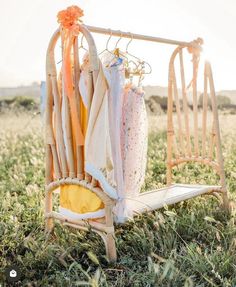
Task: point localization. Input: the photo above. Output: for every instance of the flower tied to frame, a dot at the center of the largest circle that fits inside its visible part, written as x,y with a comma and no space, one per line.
69,20
70,17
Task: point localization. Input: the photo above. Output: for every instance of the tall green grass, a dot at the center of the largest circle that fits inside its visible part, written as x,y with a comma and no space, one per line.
190,244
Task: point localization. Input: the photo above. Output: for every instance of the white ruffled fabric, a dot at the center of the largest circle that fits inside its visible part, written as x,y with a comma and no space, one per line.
79,216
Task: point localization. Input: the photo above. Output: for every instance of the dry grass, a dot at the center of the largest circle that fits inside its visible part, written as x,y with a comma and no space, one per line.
189,244
227,123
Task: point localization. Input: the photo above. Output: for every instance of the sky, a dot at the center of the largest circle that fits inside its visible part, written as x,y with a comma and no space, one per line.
26,27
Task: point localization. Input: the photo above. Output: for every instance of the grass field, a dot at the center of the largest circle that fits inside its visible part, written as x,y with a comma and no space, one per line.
190,244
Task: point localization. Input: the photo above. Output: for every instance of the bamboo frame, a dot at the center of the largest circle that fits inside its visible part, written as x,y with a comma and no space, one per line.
218,139
178,111
56,165
128,35
59,176
204,114
195,104
170,127
52,73
206,158
185,102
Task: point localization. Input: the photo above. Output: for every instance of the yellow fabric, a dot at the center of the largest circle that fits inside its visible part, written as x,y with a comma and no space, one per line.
79,199
83,121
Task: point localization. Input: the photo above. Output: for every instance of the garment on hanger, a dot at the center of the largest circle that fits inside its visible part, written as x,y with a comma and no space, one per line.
98,154
115,144
134,141
134,135
115,76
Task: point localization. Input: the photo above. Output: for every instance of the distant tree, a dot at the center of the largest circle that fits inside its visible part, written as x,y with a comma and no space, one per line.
27,103
162,101
223,101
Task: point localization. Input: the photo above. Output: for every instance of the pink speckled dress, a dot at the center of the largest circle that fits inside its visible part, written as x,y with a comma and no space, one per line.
134,137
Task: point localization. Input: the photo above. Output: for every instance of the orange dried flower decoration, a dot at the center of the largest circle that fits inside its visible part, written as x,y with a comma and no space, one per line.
70,28
69,17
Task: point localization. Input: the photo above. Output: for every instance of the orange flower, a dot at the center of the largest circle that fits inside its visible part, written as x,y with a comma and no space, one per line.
70,16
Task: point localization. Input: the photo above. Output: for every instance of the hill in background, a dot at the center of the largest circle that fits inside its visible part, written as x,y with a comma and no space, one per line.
155,98
34,91
28,91
163,92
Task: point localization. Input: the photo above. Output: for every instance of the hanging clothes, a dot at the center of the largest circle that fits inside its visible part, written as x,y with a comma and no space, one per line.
112,139
115,144
114,73
98,155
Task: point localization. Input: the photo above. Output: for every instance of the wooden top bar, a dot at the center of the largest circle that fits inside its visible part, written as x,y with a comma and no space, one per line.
139,36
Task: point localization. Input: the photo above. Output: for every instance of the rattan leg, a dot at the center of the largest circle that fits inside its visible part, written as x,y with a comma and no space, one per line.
49,223
111,247
225,199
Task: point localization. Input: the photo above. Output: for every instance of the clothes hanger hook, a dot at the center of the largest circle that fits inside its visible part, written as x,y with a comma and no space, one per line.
131,39
150,68
82,40
81,44
118,40
108,39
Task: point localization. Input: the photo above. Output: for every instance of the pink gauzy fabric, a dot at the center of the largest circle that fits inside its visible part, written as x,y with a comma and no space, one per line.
134,138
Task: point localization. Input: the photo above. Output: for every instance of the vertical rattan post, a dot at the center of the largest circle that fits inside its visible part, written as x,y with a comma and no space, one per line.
49,137
170,130
52,72
92,78
204,113
49,157
58,123
218,140
79,149
195,104
179,114
68,127
48,197
185,103
110,236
